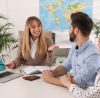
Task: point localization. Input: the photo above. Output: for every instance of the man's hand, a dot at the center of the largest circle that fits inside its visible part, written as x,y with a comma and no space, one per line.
47,76
72,78
69,75
66,80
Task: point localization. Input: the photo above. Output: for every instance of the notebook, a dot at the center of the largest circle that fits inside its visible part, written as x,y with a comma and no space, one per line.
34,69
7,75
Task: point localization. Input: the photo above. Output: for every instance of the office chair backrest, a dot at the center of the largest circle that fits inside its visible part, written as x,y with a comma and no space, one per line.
51,35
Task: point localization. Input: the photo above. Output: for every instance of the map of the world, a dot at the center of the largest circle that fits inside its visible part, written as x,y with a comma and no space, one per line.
55,14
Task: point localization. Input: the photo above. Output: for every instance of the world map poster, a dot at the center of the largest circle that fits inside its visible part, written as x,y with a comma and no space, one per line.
55,14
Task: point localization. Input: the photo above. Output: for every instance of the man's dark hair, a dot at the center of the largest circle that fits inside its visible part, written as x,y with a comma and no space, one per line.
83,22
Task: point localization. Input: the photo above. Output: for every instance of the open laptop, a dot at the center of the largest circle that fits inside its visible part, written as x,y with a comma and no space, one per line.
7,75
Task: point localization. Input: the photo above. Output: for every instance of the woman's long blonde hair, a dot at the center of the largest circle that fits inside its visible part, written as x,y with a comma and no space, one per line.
26,43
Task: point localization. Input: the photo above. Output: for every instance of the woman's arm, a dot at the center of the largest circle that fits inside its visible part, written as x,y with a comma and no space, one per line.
78,92
90,92
50,58
19,58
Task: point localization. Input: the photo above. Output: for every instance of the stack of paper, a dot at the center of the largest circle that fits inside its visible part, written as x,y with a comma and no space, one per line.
35,69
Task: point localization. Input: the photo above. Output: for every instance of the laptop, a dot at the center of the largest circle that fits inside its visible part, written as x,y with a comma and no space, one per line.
7,75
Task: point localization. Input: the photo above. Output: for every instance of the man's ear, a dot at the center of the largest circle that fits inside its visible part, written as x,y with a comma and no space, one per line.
76,30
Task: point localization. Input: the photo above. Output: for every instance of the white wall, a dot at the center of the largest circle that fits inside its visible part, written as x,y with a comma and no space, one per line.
3,7
96,9
19,10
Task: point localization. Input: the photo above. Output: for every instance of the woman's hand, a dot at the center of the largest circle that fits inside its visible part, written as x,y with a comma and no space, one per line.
10,65
52,48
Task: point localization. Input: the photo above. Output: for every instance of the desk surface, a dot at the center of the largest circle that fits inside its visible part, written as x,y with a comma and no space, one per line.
20,88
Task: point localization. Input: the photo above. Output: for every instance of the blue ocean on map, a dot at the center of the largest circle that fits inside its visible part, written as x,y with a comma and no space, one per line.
55,14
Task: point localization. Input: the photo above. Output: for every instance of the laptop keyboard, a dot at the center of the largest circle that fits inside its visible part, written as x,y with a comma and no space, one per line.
2,75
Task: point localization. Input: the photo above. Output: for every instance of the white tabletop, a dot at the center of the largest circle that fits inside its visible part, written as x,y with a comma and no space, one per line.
20,88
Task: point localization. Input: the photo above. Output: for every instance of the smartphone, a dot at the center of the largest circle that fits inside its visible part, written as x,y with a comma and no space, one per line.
36,72
31,77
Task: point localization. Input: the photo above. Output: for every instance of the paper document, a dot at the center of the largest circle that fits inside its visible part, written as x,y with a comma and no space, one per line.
35,69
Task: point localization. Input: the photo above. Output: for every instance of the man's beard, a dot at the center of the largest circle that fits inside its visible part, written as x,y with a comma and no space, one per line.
72,36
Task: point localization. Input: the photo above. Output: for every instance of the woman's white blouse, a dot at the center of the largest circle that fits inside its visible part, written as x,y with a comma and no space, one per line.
33,47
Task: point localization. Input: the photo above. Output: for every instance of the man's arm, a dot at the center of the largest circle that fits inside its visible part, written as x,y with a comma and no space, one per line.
88,70
52,76
59,71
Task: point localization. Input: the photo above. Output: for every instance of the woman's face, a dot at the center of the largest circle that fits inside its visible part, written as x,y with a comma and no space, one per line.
35,29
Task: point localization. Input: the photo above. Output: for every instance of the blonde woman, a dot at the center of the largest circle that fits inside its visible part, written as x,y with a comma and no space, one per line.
35,48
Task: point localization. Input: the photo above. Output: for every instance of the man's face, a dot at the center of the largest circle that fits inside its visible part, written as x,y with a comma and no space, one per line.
72,34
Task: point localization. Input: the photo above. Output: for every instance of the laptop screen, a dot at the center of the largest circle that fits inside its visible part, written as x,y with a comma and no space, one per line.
2,65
